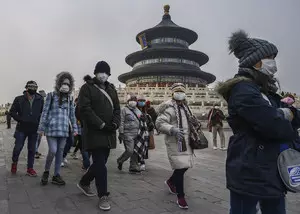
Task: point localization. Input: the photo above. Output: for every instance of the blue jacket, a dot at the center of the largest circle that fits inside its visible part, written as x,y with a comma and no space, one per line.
259,128
58,120
26,114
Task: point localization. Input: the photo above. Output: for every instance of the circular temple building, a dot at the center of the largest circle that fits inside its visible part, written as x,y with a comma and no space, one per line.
165,58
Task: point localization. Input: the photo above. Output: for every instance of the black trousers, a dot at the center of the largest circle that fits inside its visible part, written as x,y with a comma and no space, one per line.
78,143
98,171
177,180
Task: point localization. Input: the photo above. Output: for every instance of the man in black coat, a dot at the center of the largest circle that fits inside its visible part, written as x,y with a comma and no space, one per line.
100,113
26,110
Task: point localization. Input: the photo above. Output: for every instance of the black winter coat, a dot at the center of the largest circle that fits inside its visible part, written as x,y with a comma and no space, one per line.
28,116
95,110
259,129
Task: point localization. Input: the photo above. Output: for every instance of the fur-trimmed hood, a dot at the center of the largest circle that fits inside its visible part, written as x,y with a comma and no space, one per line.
61,77
224,88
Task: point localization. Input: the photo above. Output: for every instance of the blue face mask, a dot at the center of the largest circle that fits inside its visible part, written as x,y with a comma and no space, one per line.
141,103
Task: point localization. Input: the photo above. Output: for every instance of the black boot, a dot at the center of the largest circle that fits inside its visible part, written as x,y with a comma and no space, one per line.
58,180
44,180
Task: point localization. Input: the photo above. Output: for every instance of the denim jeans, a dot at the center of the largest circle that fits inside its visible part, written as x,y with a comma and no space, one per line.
19,144
98,171
56,148
68,146
242,204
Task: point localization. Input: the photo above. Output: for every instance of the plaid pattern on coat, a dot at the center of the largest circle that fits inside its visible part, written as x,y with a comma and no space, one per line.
56,119
142,140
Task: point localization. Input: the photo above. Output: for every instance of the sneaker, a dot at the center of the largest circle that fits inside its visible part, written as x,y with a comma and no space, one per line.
37,155
74,156
134,171
58,180
143,167
223,149
215,148
62,164
31,172
171,187
103,203
120,166
14,168
86,190
45,177
66,161
182,203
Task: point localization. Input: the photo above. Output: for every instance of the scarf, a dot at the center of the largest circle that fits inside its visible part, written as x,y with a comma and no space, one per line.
193,124
142,138
266,84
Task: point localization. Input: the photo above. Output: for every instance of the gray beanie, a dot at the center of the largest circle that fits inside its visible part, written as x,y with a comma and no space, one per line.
250,51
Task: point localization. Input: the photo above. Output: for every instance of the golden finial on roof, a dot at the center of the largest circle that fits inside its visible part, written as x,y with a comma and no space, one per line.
167,9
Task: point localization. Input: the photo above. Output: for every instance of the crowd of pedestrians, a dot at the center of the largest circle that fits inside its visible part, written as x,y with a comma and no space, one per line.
263,126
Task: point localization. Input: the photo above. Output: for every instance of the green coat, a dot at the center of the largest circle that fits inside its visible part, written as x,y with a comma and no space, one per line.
95,110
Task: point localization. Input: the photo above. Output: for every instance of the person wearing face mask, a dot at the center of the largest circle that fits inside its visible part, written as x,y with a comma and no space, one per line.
99,109
128,131
141,105
215,124
260,123
175,121
57,123
26,110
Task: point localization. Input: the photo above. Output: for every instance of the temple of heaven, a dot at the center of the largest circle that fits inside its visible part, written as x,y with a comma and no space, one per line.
165,57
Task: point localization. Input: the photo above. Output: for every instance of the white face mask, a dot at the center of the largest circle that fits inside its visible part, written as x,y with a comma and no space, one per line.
64,88
268,67
132,104
216,107
102,77
179,96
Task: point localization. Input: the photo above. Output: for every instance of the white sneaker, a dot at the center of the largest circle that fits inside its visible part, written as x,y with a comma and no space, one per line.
66,161
74,156
215,148
143,167
223,149
62,164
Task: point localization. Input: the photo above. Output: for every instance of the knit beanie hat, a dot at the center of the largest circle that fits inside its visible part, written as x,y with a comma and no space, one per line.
250,51
102,67
178,87
31,84
131,96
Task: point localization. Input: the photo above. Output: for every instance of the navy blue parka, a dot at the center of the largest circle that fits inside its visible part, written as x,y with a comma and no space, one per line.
259,129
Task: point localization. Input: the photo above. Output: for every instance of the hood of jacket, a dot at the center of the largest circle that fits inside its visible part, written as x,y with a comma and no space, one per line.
224,88
61,77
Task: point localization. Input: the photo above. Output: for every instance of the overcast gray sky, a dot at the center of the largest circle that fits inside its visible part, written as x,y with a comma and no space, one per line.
39,38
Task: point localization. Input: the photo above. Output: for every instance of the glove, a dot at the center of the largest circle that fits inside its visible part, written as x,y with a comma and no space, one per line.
177,132
114,126
121,137
288,100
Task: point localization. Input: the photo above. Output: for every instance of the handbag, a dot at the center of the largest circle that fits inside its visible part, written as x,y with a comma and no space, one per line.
151,145
288,163
197,139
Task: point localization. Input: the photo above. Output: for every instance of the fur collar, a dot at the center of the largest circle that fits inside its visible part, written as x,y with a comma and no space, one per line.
224,88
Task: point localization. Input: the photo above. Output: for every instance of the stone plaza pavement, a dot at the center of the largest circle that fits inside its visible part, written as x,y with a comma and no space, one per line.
146,193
